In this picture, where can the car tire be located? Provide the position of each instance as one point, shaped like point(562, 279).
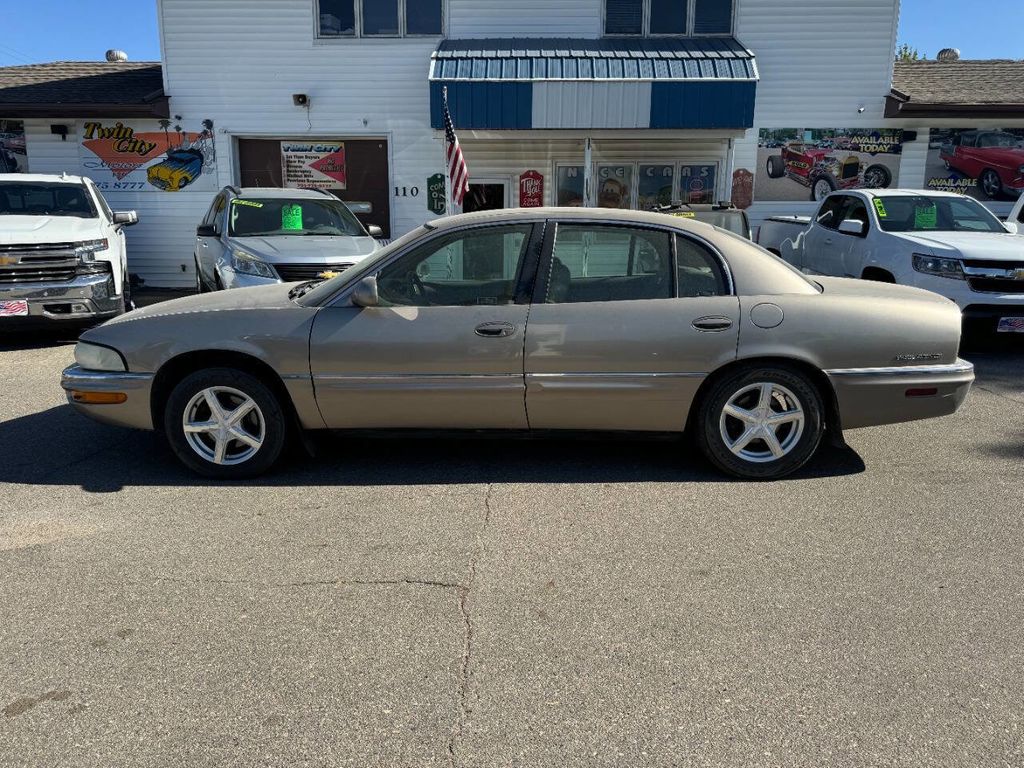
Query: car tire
point(880, 176)
point(822, 186)
point(990, 183)
point(221, 444)
point(776, 167)
point(742, 409)
point(127, 305)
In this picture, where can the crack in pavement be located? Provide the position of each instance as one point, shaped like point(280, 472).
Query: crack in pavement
point(998, 394)
point(455, 736)
point(319, 582)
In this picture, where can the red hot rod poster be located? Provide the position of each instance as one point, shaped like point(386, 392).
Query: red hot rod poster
point(809, 163)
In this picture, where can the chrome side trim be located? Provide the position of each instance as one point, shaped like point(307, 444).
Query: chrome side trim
point(959, 367)
point(623, 374)
point(410, 376)
point(75, 375)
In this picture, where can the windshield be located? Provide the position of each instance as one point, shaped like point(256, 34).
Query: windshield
point(40, 198)
point(325, 290)
point(284, 216)
point(998, 140)
point(925, 213)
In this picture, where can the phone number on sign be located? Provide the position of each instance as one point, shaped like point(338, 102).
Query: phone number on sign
point(122, 185)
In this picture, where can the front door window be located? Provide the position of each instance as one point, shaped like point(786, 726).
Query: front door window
point(467, 268)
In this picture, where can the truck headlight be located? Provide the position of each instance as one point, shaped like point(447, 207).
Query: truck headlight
point(247, 264)
point(86, 252)
point(93, 357)
point(938, 266)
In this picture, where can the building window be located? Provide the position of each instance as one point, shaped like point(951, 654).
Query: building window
point(637, 185)
point(379, 18)
point(668, 17)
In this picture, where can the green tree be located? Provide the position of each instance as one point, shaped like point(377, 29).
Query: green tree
point(906, 53)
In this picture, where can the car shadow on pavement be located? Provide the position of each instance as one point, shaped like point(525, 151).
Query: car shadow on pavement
point(61, 447)
point(31, 337)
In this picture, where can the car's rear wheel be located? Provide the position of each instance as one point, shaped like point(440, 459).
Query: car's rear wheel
point(761, 423)
point(775, 166)
point(991, 184)
point(225, 423)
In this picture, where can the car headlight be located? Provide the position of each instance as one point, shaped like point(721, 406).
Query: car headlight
point(938, 266)
point(86, 252)
point(247, 264)
point(93, 357)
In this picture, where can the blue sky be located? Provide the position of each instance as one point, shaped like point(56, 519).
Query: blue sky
point(49, 30)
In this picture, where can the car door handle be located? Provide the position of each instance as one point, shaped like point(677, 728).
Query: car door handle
point(712, 324)
point(494, 330)
point(828, 241)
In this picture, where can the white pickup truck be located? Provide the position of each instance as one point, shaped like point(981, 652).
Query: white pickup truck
point(62, 250)
point(943, 242)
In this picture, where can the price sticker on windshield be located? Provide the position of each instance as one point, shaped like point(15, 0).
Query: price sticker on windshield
point(926, 217)
point(291, 217)
point(685, 214)
point(880, 208)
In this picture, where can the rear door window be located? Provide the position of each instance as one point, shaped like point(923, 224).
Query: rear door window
point(605, 263)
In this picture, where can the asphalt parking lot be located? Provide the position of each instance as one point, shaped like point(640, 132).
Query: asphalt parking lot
point(510, 603)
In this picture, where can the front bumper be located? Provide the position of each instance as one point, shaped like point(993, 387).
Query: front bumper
point(83, 298)
point(869, 397)
point(135, 412)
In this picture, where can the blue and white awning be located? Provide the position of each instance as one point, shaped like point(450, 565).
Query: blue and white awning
point(704, 82)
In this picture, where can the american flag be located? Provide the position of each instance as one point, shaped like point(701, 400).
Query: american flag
point(457, 170)
point(1011, 325)
point(13, 308)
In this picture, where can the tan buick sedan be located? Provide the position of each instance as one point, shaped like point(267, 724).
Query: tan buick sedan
point(533, 320)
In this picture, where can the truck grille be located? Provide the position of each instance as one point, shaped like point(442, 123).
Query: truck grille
point(292, 273)
point(995, 285)
point(36, 263)
point(849, 170)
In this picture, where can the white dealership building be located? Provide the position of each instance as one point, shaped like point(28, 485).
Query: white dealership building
point(578, 102)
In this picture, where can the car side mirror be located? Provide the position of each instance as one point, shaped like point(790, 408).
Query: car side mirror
point(365, 293)
point(375, 231)
point(126, 218)
point(1012, 227)
point(853, 227)
point(207, 230)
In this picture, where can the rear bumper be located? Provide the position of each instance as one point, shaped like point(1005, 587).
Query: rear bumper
point(135, 412)
point(871, 396)
point(83, 298)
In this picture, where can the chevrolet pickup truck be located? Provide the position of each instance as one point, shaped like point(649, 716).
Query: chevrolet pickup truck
point(943, 242)
point(62, 250)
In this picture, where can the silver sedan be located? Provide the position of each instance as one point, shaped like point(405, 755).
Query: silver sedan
point(537, 320)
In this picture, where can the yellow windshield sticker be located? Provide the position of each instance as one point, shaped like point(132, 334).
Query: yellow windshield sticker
point(685, 214)
point(250, 203)
point(291, 217)
point(880, 208)
point(926, 217)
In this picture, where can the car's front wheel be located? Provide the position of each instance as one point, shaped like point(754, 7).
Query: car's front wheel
point(761, 423)
point(225, 423)
point(991, 184)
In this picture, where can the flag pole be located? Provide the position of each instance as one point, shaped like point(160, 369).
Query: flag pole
point(444, 166)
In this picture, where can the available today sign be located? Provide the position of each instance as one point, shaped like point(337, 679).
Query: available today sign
point(153, 155)
point(314, 165)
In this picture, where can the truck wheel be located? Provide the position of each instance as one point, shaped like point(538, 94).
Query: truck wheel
point(761, 423)
point(990, 184)
point(822, 187)
point(776, 167)
point(225, 423)
point(877, 177)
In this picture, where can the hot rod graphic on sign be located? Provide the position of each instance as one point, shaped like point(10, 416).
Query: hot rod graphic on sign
point(989, 162)
point(824, 160)
point(151, 155)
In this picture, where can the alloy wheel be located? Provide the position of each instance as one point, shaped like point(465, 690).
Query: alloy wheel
point(762, 422)
point(990, 183)
point(224, 426)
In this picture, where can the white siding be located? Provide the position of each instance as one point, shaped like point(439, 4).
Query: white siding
point(159, 246)
point(598, 105)
point(820, 61)
point(240, 70)
point(524, 18)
